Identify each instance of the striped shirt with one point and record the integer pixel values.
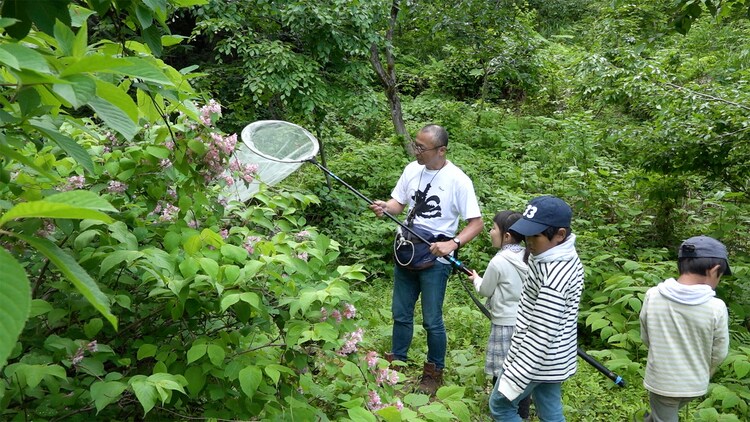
(544, 345)
(687, 337)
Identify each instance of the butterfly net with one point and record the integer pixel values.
(277, 148)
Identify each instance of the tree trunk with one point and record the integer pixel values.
(387, 75)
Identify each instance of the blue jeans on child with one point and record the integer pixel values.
(546, 396)
(407, 286)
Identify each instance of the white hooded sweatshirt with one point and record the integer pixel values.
(686, 331)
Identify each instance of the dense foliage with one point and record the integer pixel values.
(136, 288)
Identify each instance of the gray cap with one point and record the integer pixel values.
(704, 247)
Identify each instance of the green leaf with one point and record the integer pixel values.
(15, 155)
(26, 57)
(15, 303)
(92, 327)
(250, 379)
(117, 257)
(105, 392)
(94, 63)
(74, 273)
(65, 38)
(44, 13)
(79, 90)
(235, 253)
(741, 368)
(452, 392)
(216, 355)
(196, 352)
(360, 414)
(67, 144)
(146, 351)
(116, 109)
(144, 391)
(46, 209)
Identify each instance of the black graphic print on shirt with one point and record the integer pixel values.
(426, 207)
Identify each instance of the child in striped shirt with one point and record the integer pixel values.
(543, 348)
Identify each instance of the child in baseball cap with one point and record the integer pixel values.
(685, 328)
(543, 351)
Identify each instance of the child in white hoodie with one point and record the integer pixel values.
(685, 329)
(502, 285)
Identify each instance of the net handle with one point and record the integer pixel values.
(245, 135)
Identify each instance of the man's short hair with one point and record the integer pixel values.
(438, 134)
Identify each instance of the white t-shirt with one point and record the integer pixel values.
(450, 196)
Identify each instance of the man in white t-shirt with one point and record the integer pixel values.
(437, 194)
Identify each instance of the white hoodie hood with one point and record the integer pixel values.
(687, 294)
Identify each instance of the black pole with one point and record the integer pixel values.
(460, 266)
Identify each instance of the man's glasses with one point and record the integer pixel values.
(419, 149)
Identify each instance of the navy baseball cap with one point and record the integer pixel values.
(704, 247)
(543, 212)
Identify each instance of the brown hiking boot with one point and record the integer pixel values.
(395, 364)
(432, 379)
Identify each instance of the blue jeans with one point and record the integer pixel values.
(547, 397)
(407, 286)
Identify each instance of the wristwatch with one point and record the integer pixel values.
(458, 241)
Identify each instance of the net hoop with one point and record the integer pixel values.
(277, 148)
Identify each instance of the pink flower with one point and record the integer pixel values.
(399, 405)
(92, 346)
(374, 403)
(116, 186)
(250, 242)
(372, 359)
(349, 311)
(304, 234)
(224, 233)
(323, 314)
(387, 376)
(193, 224)
(169, 144)
(165, 163)
(350, 345)
(169, 213)
(75, 182)
(302, 256)
(336, 315)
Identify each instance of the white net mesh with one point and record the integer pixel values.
(278, 148)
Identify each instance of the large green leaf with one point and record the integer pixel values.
(116, 109)
(144, 391)
(73, 272)
(27, 58)
(250, 378)
(79, 91)
(67, 144)
(11, 153)
(106, 392)
(15, 303)
(82, 199)
(49, 209)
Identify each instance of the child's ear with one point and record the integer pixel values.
(561, 234)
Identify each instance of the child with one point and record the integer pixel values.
(543, 348)
(685, 328)
(502, 284)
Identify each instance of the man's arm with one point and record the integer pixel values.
(391, 207)
(472, 229)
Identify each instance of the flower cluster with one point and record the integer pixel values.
(376, 404)
(209, 111)
(115, 186)
(78, 357)
(350, 345)
(349, 312)
(246, 172)
(74, 182)
(250, 242)
(166, 212)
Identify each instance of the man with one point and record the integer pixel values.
(437, 194)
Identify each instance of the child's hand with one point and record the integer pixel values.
(473, 275)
